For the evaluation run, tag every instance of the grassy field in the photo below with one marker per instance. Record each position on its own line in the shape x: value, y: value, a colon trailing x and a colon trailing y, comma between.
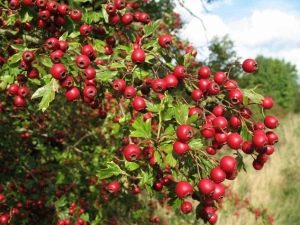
x: 277, y: 186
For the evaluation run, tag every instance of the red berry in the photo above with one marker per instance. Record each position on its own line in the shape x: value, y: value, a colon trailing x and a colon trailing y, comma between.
x: 179, y: 72
x: 72, y: 94
x: 90, y: 91
x: 267, y: 102
x: 184, y: 132
x: 111, y: 9
x: 90, y: 73
x: 129, y: 92
x: 165, y: 40
x: 247, y: 147
x: 13, y: 89
x: 56, y: 55
x: 132, y: 152
x: 234, y: 141
x: 230, y: 84
x: 127, y: 18
x: 119, y: 85
x: 58, y: 71
x: 197, y: 95
x: 228, y: 164
x: 52, y: 43
x: 183, y: 189
x: 271, y: 122
x: 82, y: 61
x: 207, y: 131
x: 75, y: 15
x: 259, y: 139
x: 218, y: 110
x: 19, y: 101
x: 220, y: 78
x: 257, y: 165
x: 213, y: 88
x: 235, y: 122
x: 28, y: 56
x: 186, y: 207
x: 206, y: 186
x: 171, y: 81
x: 113, y: 187
x: 139, y: 103
x: 85, y: 29
x: 249, y: 66
x: 213, y: 219
x: 219, y: 192
x: 158, y: 85
x: 203, y: 84
x: 272, y: 137
x: 235, y: 96
x: 63, y: 9
x: 195, y: 110
x: 217, y: 175
x: 23, y: 91
x: 180, y: 148
x: 220, y: 122
x: 246, y: 112
x: 204, y: 72
x: 120, y: 4
x: 138, y: 56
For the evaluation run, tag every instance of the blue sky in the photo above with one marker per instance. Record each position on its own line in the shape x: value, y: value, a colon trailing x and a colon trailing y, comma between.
x: 268, y: 27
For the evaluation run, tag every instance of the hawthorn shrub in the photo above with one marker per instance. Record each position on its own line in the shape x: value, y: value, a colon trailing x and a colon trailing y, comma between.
x: 102, y: 106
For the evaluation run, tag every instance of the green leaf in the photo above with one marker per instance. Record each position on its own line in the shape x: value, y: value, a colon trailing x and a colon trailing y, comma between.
x: 47, y: 93
x: 166, y: 147
x: 64, y: 36
x: 26, y: 17
x: 112, y: 169
x: 181, y: 113
x: 141, y: 128
x: 15, y: 58
x: 74, y: 34
x: 240, y: 161
x: 19, y: 47
x: 169, y: 131
x: 118, y: 65
x: 151, y: 107
x: 131, y: 166
x: 168, y: 114
x: 196, y: 144
x: 46, y: 61
x: 158, y: 158
x: 193, y: 118
x: 91, y: 17
x: 171, y: 160
x: 246, y: 135
x: 61, y: 202
x: 104, y: 13
x: 151, y: 27
x: 85, y: 217
x: 188, y: 58
x: 106, y: 75
x: 252, y: 95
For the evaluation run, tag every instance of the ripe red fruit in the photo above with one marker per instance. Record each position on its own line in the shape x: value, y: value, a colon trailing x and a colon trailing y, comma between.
x: 234, y: 141
x: 111, y: 9
x: 235, y: 122
x: 82, y: 61
x: 138, y: 55
x: 63, y: 9
x: 19, y: 101
x: 4, y: 218
x: 52, y: 6
x: 213, y: 219
x: 218, y: 110
x: 44, y: 14
x: 67, y: 82
x: 206, y: 186
x: 14, y: 4
x: 144, y: 18
x: 85, y: 29
x: 270, y: 149
x: 158, y: 186
x: 120, y: 4
x: 259, y: 126
x: 72, y: 94
x: 165, y: 40
x: 249, y: 66
x: 13, y: 89
x: 213, y: 88
x: 195, y: 110
x: 219, y: 192
x: 204, y: 72
x: 119, y: 85
x: 246, y: 112
x: 90, y: 91
x: 90, y: 73
x: 211, y: 150
x: 132, y: 152
x: 184, y: 132
x: 271, y: 122
x: 52, y: 43
x: 230, y: 84
x: 28, y: 2
x: 89, y: 51
x: 113, y: 187
x: 203, y: 84
x: 272, y: 137
x: 217, y: 175
x: 58, y: 71
x: 228, y: 164
x: 235, y: 96
x: 75, y: 15
x: 139, y: 103
x: 197, y: 94
x: 267, y: 102
x: 127, y: 18
x: 207, y: 131
x: 220, y: 122
x: 257, y: 165
x: 158, y: 85
x: 221, y: 138
x: 129, y: 92
x: 180, y: 148
x: 179, y: 72
x: 186, y: 207
x: 259, y: 139
x: 171, y: 81
x: 56, y: 55
x: 28, y: 56
x: 23, y: 91
x: 220, y: 78
x: 247, y: 147
x: 183, y: 189
x: 114, y: 19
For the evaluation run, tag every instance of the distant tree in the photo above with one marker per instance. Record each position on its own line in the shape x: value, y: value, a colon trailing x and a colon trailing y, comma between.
x: 277, y: 78
x: 223, y: 56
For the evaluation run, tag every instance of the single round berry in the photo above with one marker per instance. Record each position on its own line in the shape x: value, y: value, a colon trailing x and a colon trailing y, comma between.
x: 271, y: 122
x: 204, y: 72
x: 58, y: 71
x: 219, y: 192
x: 234, y: 141
x: 72, y: 94
x: 139, y: 103
x: 267, y: 102
x: 165, y: 40
x: 138, y: 55
x: 217, y: 175
x: 113, y: 187
x: 184, y: 132
x: 183, y: 189
x: 180, y: 148
x: 228, y: 164
x: 249, y: 66
x: 186, y: 207
x: 206, y: 186
x: 132, y: 152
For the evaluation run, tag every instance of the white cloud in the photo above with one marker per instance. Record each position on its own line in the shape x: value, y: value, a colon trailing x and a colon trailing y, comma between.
x: 271, y: 32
